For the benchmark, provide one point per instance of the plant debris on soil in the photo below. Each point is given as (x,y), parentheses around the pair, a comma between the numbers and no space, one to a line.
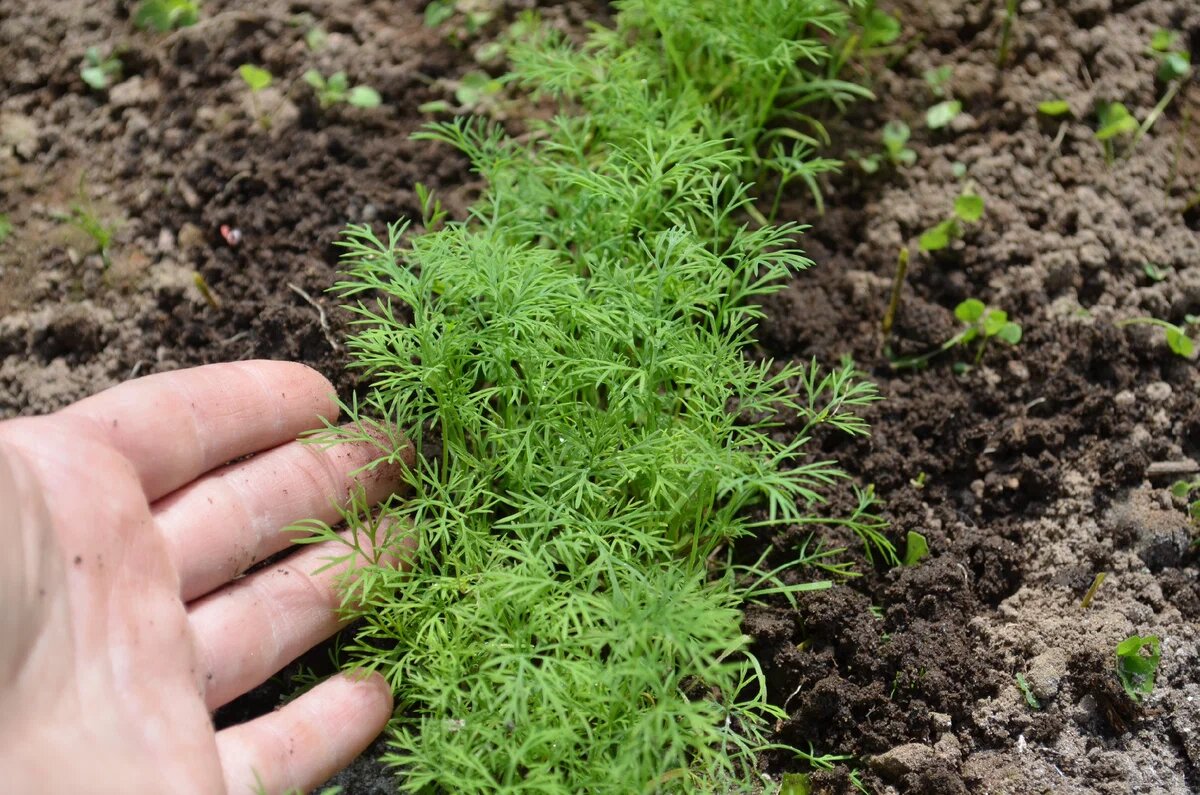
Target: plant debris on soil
(1028,474)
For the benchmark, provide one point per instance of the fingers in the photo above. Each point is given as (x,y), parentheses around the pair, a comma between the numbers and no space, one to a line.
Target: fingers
(221,524)
(176,426)
(302,744)
(250,629)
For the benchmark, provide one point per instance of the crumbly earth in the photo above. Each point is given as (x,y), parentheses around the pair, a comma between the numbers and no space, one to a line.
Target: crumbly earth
(1029,474)
(1035,471)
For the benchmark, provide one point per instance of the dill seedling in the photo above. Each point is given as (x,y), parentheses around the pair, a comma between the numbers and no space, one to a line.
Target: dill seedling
(590,437)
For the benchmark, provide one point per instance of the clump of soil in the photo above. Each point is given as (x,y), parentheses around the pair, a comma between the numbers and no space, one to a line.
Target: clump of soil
(1035,471)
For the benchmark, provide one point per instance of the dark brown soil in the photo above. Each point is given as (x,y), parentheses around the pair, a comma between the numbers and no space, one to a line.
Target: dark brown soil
(1028,474)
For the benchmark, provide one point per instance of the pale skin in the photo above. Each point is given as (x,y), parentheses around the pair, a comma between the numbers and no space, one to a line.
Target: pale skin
(123,619)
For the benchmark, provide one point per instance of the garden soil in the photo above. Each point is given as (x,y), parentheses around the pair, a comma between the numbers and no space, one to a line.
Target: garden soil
(1030,473)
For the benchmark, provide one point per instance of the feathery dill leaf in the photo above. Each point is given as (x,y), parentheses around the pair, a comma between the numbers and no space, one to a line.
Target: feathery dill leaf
(568,362)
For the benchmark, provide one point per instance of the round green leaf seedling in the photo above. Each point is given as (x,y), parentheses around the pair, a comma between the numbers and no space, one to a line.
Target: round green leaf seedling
(1009,332)
(1135,669)
(939,237)
(1115,120)
(879,28)
(942,114)
(1180,342)
(364,97)
(969,207)
(1174,66)
(969,310)
(255,77)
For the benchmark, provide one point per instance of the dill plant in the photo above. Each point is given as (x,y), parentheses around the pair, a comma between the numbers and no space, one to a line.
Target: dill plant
(569,363)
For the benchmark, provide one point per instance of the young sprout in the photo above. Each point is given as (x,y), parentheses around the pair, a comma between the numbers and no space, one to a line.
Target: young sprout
(937,79)
(895,139)
(166,15)
(1135,669)
(1115,121)
(1183,490)
(1177,337)
(984,324)
(337,89)
(1054,108)
(968,209)
(477,90)
(916,548)
(1026,691)
(257,79)
(980,323)
(1173,64)
(6,227)
(895,136)
(98,71)
(1010,16)
(879,28)
(941,114)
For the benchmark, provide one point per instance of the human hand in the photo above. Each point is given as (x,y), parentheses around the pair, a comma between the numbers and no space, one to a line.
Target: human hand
(121,623)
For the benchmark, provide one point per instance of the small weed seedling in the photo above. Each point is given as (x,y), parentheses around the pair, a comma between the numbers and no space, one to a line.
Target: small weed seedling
(968,209)
(1189,492)
(1010,17)
(879,29)
(1154,272)
(1030,698)
(6,227)
(256,79)
(1174,69)
(944,112)
(100,71)
(980,323)
(1054,108)
(1174,63)
(1115,122)
(984,323)
(337,89)
(916,548)
(477,91)
(895,137)
(1178,339)
(166,15)
(83,216)
(1136,669)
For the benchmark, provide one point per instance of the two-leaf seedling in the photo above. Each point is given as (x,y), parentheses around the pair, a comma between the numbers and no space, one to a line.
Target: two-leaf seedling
(1178,339)
(1115,120)
(981,324)
(166,15)
(256,79)
(1174,63)
(100,71)
(1137,664)
(968,209)
(895,137)
(337,89)
(942,113)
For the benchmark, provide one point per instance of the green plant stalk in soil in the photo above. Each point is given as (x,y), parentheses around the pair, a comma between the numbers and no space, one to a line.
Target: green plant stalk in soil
(569,364)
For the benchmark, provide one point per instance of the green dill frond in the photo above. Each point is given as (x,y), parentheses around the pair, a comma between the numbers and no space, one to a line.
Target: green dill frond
(590,437)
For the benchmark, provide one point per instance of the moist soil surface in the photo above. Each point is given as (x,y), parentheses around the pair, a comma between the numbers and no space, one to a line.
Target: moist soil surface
(1029,472)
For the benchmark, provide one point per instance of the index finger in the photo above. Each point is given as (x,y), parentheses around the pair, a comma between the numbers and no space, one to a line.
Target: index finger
(174,427)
